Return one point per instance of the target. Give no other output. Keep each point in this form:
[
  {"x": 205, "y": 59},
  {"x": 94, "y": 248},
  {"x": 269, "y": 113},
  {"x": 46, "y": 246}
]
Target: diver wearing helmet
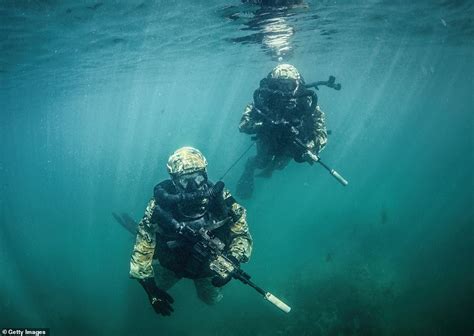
[
  {"x": 284, "y": 111},
  {"x": 161, "y": 256}
]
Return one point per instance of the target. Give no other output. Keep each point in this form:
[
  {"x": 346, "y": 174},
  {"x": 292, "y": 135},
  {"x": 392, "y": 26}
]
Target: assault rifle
[
  {"x": 293, "y": 133},
  {"x": 209, "y": 248}
]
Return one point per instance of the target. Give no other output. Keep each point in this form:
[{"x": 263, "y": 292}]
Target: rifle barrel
[
  {"x": 299, "y": 143},
  {"x": 266, "y": 295},
  {"x": 334, "y": 173},
  {"x": 277, "y": 302}
]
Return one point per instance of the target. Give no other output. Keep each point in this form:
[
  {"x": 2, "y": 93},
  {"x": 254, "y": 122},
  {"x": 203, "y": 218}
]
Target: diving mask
[
  {"x": 285, "y": 86},
  {"x": 191, "y": 182}
]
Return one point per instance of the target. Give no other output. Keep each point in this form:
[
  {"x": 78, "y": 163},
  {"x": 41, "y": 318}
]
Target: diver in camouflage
[
  {"x": 161, "y": 256},
  {"x": 283, "y": 110}
]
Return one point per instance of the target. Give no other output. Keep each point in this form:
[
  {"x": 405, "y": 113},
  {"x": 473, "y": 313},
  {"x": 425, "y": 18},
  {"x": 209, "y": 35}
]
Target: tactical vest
[{"x": 173, "y": 251}]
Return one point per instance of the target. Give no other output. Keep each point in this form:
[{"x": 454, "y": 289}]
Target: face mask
[
  {"x": 191, "y": 182},
  {"x": 285, "y": 86}
]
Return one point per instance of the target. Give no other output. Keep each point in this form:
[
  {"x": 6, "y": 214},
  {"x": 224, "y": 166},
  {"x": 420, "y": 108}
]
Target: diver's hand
[
  {"x": 216, "y": 189},
  {"x": 159, "y": 299},
  {"x": 258, "y": 125},
  {"x": 218, "y": 281},
  {"x": 161, "y": 303},
  {"x": 310, "y": 157}
]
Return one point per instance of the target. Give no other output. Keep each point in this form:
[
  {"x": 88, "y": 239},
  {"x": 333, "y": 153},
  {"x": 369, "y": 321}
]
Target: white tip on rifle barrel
[
  {"x": 277, "y": 302},
  {"x": 341, "y": 179}
]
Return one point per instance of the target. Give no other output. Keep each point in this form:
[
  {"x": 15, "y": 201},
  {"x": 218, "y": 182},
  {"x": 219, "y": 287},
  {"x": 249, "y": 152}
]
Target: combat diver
[
  {"x": 162, "y": 256},
  {"x": 284, "y": 111}
]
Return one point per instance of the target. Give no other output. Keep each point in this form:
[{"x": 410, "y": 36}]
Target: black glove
[
  {"x": 216, "y": 189},
  {"x": 218, "y": 281},
  {"x": 159, "y": 299}
]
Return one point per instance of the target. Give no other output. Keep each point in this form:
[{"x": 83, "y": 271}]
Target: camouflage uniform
[{"x": 153, "y": 257}]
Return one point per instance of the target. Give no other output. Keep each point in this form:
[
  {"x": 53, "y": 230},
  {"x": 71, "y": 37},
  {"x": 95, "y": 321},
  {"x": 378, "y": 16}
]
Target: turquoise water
[{"x": 95, "y": 96}]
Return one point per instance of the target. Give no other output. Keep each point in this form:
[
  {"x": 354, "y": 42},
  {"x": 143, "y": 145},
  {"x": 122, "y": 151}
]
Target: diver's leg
[
  {"x": 264, "y": 153},
  {"x": 282, "y": 161},
  {"x": 268, "y": 170},
  {"x": 263, "y": 158},
  {"x": 164, "y": 278},
  {"x": 246, "y": 181},
  {"x": 207, "y": 292},
  {"x": 265, "y": 162}
]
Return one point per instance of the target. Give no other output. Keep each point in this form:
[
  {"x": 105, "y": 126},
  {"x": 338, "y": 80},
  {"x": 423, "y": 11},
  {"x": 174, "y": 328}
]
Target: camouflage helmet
[
  {"x": 186, "y": 160},
  {"x": 285, "y": 71}
]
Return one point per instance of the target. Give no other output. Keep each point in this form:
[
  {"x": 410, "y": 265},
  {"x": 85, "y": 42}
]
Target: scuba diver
[
  {"x": 188, "y": 202},
  {"x": 284, "y": 111}
]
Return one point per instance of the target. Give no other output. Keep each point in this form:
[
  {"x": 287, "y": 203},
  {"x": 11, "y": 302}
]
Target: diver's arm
[
  {"x": 320, "y": 135},
  {"x": 142, "y": 256},
  {"x": 141, "y": 263},
  {"x": 249, "y": 123},
  {"x": 241, "y": 242}
]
